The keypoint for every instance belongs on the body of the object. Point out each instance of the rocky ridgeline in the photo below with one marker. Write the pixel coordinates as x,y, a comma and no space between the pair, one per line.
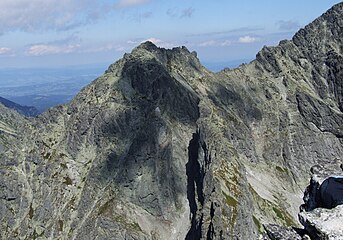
158,147
319,223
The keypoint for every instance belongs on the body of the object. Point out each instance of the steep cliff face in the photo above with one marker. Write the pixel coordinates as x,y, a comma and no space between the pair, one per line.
161,148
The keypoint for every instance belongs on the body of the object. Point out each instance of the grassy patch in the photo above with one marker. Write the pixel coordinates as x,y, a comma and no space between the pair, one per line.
230,200
64,166
128,224
284,216
105,208
278,212
67,181
60,225
271,210
281,170
257,223
31,212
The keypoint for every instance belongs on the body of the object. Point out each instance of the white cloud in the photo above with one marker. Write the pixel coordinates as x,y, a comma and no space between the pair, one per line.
214,43
65,45
225,43
208,43
46,49
288,25
41,15
38,15
5,50
160,43
247,39
131,3
155,41
105,47
119,48
132,42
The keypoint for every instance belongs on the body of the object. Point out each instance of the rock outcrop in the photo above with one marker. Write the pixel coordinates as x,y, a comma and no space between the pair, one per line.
161,148
276,232
319,222
322,223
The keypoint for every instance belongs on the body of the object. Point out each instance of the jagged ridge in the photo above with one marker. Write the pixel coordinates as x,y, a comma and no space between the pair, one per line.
161,148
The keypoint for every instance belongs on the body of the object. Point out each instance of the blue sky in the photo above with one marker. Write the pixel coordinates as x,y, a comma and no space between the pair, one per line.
48,33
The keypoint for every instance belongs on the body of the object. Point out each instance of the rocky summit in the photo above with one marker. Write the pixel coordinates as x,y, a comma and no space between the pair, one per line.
159,147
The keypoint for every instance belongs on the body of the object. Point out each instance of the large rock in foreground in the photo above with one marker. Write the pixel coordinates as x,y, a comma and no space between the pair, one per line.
324,223
276,232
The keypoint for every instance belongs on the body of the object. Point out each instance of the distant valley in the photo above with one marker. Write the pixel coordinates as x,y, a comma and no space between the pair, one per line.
45,88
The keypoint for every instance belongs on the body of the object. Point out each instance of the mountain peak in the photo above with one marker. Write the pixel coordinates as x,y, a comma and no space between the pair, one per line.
326,27
338,6
152,48
159,147
176,57
148,45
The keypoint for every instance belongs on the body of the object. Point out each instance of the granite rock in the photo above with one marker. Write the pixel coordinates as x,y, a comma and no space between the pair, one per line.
322,223
159,147
276,232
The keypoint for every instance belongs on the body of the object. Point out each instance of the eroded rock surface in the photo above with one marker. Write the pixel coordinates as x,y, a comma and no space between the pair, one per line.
158,147
323,223
319,222
276,232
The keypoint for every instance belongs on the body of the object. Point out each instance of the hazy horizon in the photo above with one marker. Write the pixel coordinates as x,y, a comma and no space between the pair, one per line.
45,63
82,32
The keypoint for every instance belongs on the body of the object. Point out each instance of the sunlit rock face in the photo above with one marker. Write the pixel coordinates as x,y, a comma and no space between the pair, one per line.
322,223
158,147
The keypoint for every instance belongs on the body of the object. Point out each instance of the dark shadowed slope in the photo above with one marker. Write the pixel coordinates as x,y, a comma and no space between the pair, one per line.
25,110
